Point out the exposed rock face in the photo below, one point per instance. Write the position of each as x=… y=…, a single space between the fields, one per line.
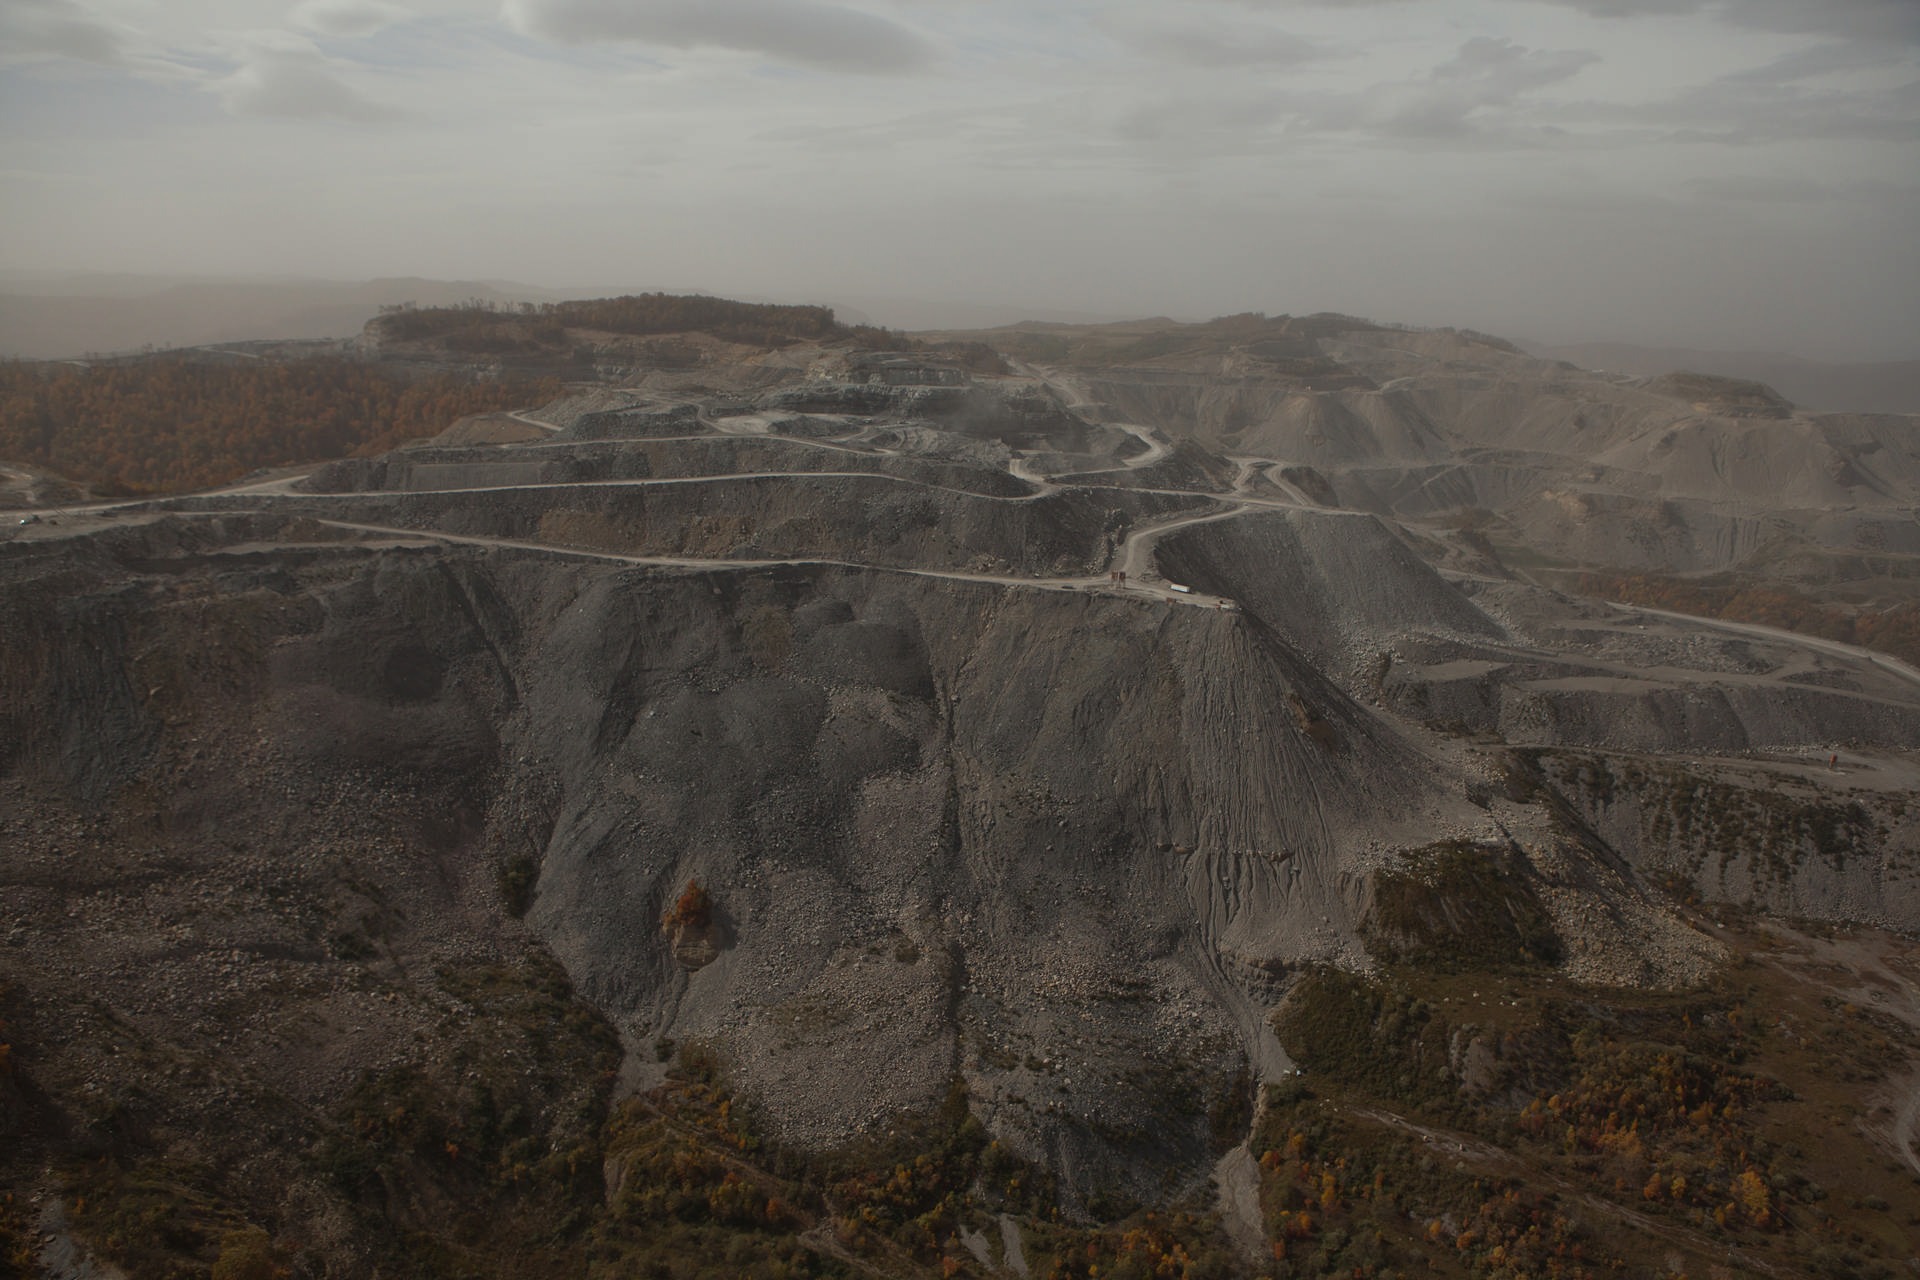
x=1063 y=810
x=1035 y=839
x=940 y=819
x=1777 y=840
x=694 y=946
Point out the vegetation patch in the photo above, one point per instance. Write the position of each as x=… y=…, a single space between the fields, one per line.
x=1700 y=822
x=1353 y=1195
x=693 y=909
x=1342 y=1026
x=1457 y=905
x=476 y=325
x=1517 y=1124
x=166 y=424
x=152 y=1217
x=19 y=1240
x=493 y=1142
x=695 y=1192
x=500 y=1153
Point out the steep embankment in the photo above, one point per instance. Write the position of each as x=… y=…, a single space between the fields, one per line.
x=1100 y=827
x=1086 y=814
x=1338 y=586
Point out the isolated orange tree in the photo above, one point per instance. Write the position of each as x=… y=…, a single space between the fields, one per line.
x=693 y=908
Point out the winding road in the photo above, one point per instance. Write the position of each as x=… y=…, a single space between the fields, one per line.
x=1134 y=554
x=1089 y=583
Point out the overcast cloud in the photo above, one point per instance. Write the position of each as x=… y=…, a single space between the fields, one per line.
x=829 y=36
x=286 y=76
x=57 y=28
x=346 y=17
x=1707 y=172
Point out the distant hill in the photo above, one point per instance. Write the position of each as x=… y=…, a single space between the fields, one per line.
x=914 y=314
x=480 y=328
x=1890 y=387
x=119 y=313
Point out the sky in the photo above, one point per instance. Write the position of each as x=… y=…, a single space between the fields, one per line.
x=1713 y=173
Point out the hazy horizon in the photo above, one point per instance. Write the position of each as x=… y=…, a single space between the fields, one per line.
x=1719 y=174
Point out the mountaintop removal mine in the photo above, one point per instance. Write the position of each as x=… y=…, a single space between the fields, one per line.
x=1268 y=797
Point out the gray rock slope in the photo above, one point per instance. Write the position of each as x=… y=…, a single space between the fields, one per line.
x=1676 y=473
x=1065 y=847
x=1030 y=839
x=1098 y=825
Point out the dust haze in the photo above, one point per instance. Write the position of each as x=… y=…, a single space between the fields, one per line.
x=1688 y=173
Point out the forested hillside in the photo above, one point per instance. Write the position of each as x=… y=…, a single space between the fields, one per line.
x=481 y=326
x=165 y=425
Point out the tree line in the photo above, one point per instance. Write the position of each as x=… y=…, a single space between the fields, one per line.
x=748 y=323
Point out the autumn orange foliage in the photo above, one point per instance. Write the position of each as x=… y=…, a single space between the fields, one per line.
x=164 y=425
x=694 y=908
